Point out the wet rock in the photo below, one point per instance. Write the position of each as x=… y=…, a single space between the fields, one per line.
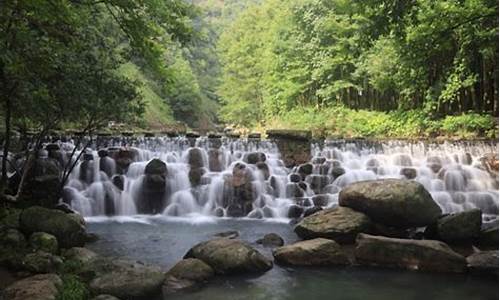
x=489 y=162
x=271 y=240
x=256 y=214
x=228 y=256
x=321 y=200
x=460 y=227
x=195 y=158
x=293 y=190
x=434 y=163
x=195 y=176
x=231 y=234
x=38 y=287
x=87 y=171
x=42 y=262
x=318 y=160
x=264 y=169
x=294 y=145
x=215 y=160
x=403 y=160
x=295 y=211
x=12 y=248
x=186 y=275
x=64 y=208
x=118 y=181
x=219 y=212
x=305 y=169
x=125 y=279
x=156 y=167
x=12 y=238
x=337 y=172
x=235 y=211
x=44 y=242
x=409 y=173
x=422 y=255
x=483 y=263
x=241 y=175
x=316 y=252
x=103 y=153
x=312 y=210
x=317 y=182
x=88 y=156
x=341 y=224
x=124 y=157
x=254 y=157
x=392 y=202
x=295 y=177
x=67 y=228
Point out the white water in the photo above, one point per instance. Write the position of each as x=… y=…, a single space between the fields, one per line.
x=457 y=182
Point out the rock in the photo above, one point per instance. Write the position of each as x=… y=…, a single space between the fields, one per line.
x=102 y=153
x=409 y=173
x=38 y=287
x=215 y=157
x=341 y=224
x=312 y=210
x=228 y=256
x=422 y=255
x=125 y=279
x=124 y=157
x=271 y=240
x=241 y=175
x=295 y=211
x=156 y=167
x=12 y=238
x=295 y=177
x=64 y=207
x=264 y=169
x=231 y=234
x=118 y=181
x=67 y=228
x=318 y=160
x=403 y=160
x=321 y=200
x=392 y=202
x=254 y=157
x=489 y=237
x=195 y=176
x=105 y=297
x=42 y=262
x=483 y=263
x=316 y=252
x=79 y=255
x=188 y=274
x=43 y=182
x=44 y=242
x=52 y=147
x=195 y=158
x=336 y=172
x=305 y=169
x=12 y=248
x=317 y=182
x=460 y=227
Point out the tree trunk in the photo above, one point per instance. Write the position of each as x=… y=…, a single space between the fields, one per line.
x=6 y=146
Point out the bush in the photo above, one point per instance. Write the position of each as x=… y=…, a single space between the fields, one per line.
x=73 y=289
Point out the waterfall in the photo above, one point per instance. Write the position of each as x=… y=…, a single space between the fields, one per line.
x=247 y=178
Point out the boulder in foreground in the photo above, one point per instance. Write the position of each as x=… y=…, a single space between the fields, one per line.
x=316 y=252
x=392 y=202
x=186 y=275
x=69 y=229
x=422 y=255
x=483 y=263
x=227 y=256
x=39 y=287
x=460 y=227
x=341 y=224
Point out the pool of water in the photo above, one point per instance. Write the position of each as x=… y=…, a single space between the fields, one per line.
x=164 y=241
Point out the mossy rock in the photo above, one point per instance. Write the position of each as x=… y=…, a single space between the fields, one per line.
x=69 y=229
x=42 y=262
x=44 y=242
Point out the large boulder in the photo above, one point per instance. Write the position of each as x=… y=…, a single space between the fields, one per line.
x=12 y=248
x=489 y=238
x=341 y=224
x=195 y=158
x=227 y=256
x=67 y=228
x=392 y=202
x=423 y=255
x=316 y=252
x=483 y=263
x=156 y=167
x=43 y=182
x=186 y=275
x=124 y=279
x=38 y=287
x=153 y=200
x=460 y=227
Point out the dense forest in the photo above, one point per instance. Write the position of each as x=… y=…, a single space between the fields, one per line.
x=345 y=68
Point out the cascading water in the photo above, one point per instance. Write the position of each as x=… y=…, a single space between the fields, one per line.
x=240 y=178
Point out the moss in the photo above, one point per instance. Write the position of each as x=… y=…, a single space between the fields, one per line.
x=73 y=289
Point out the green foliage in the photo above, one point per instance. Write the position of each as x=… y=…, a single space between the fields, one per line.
x=73 y=289
x=470 y=124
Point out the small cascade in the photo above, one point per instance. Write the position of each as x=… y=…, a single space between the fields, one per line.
x=246 y=178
